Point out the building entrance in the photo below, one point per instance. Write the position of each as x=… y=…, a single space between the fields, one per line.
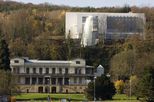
x=53 y=90
x=40 y=89
x=47 y=89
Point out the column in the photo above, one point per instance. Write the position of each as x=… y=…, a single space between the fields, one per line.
x=36 y=81
x=43 y=81
x=63 y=80
x=56 y=81
x=30 y=80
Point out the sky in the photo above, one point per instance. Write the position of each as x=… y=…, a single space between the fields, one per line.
x=94 y=3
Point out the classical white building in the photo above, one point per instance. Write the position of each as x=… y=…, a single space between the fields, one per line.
x=90 y=27
x=51 y=76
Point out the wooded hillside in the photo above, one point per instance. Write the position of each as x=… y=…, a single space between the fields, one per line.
x=37 y=31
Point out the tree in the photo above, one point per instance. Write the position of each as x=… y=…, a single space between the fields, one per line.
x=4 y=55
x=104 y=88
x=145 y=88
x=122 y=64
x=119 y=85
x=134 y=84
x=7 y=83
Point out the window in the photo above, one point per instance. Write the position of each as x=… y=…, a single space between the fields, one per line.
x=84 y=19
x=34 y=70
x=79 y=71
x=76 y=71
x=53 y=70
x=95 y=23
x=47 y=80
x=47 y=71
x=80 y=80
x=16 y=61
x=40 y=70
x=75 y=80
x=66 y=81
x=27 y=70
x=18 y=70
x=66 y=70
x=14 y=70
x=60 y=81
x=33 y=80
x=77 y=62
x=53 y=80
x=27 y=81
x=60 y=70
x=40 y=81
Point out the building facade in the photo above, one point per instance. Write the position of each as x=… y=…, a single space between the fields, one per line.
x=92 y=26
x=46 y=76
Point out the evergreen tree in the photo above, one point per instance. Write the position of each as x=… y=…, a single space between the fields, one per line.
x=145 y=88
x=104 y=89
x=4 y=55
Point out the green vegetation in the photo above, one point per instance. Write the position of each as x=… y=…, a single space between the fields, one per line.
x=32 y=96
x=104 y=89
x=43 y=25
x=145 y=87
x=4 y=55
x=7 y=80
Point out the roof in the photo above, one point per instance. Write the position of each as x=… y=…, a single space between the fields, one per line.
x=108 y=13
x=47 y=61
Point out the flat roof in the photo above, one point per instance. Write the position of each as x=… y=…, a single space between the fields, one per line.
x=108 y=13
x=47 y=61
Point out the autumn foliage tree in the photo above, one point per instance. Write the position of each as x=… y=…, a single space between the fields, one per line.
x=119 y=85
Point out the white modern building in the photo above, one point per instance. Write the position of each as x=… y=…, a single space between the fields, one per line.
x=48 y=76
x=90 y=27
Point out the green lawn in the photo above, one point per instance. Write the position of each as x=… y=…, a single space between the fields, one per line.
x=122 y=98
x=33 y=96
x=75 y=97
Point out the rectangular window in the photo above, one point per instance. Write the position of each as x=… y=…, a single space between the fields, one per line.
x=33 y=80
x=80 y=80
x=16 y=61
x=60 y=81
x=95 y=23
x=60 y=70
x=79 y=71
x=76 y=71
x=34 y=70
x=47 y=71
x=53 y=70
x=47 y=80
x=27 y=70
x=18 y=70
x=40 y=70
x=27 y=81
x=84 y=19
x=75 y=80
x=66 y=81
x=14 y=70
x=66 y=70
x=77 y=62
x=53 y=80
x=40 y=81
